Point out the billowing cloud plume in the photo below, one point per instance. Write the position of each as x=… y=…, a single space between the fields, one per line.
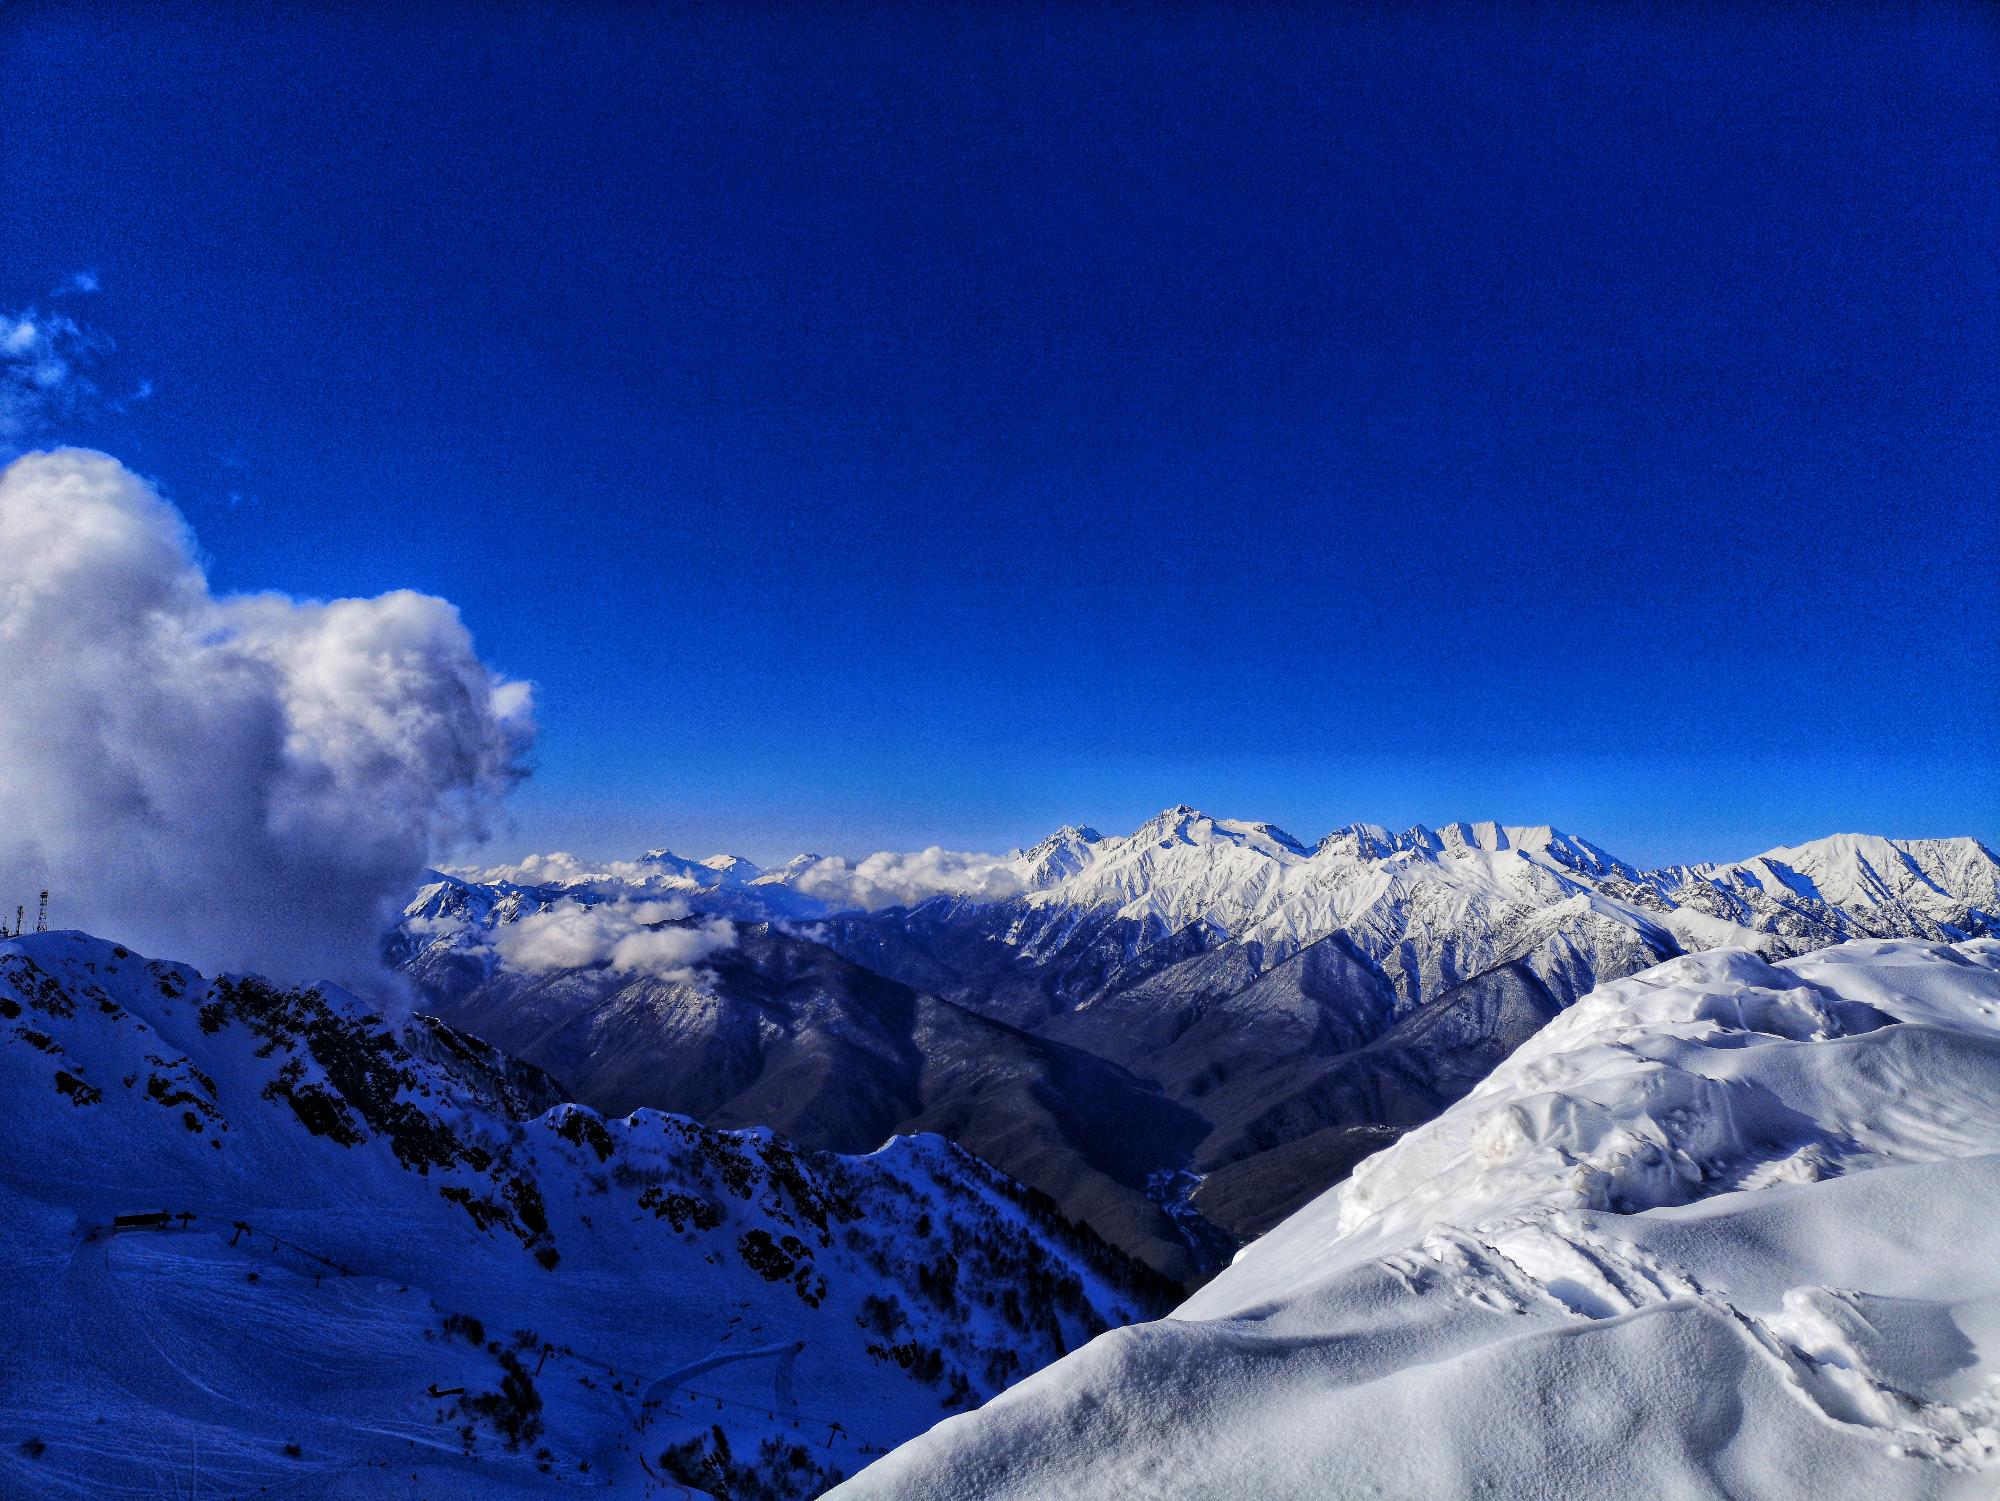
x=889 y=879
x=637 y=937
x=252 y=782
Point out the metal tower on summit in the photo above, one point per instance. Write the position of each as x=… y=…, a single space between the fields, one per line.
x=21 y=918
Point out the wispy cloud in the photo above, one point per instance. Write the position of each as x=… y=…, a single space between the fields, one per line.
x=141 y=392
x=43 y=359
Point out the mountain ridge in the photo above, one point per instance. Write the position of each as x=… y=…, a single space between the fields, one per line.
x=257 y=1238
x=1301 y=1004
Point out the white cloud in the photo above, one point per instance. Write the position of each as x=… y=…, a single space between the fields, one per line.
x=889 y=879
x=637 y=937
x=250 y=782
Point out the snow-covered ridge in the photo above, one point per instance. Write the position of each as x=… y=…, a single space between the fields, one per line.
x=382 y=1256
x=1258 y=885
x=1723 y=1228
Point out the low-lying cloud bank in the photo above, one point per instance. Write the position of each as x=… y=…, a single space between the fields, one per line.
x=621 y=935
x=250 y=782
x=559 y=865
x=889 y=879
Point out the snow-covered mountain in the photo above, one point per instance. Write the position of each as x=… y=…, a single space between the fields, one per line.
x=1302 y=1004
x=1724 y=1228
x=1433 y=908
x=258 y=1242
x=774 y=1029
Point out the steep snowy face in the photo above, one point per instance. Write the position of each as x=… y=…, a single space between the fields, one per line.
x=1178 y=868
x=1864 y=885
x=1430 y=908
x=1722 y=1228
x=254 y=1240
x=1058 y=857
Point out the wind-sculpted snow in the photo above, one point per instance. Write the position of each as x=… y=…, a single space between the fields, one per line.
x=359 y=1264
x=1723 y=1228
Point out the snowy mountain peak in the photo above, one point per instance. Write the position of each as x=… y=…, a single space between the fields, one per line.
x=1058 y=857
x=790 y=871
x=1066 y=837
x=1358 y=841
x=707 y=874
x=1492 y=837
x=1954 y=883
x=1181 y=824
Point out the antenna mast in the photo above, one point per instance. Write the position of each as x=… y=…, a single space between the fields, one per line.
x=42 y=916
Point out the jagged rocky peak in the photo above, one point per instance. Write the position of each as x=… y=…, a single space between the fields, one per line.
x=1486 y=836
x=1492 y=837
x=1358 y=841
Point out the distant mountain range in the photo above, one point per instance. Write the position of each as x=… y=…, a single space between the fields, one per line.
x=1180 y=1035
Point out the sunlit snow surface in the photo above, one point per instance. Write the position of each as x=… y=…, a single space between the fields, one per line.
x=1724 y=1228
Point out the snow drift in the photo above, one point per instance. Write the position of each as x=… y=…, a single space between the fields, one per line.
x=1724 y=1228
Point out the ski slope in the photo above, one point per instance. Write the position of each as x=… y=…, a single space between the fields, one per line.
x=396 y=1265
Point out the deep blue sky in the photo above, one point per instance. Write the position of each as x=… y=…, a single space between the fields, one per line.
x=884 y=425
